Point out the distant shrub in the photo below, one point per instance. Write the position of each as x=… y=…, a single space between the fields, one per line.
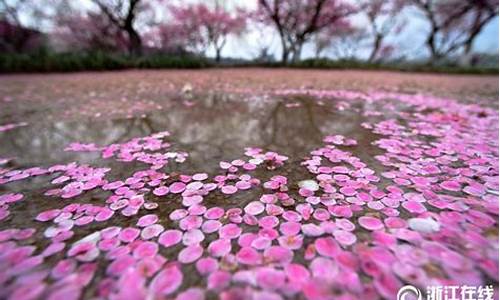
x=46 y=61
x=93 y=61
x=159 y=61
x=392 y=66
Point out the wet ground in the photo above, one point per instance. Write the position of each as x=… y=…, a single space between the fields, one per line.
x=343 y=193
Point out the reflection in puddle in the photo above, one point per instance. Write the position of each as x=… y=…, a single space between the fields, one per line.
x=213 y=129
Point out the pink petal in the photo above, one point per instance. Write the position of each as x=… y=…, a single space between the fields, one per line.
x=161 y=191
x=152 y=231
x=214 y=213
x=129 y=234
x=220 y=247
x=370 y=223
x=327 y=247
x=147 y=220
x=229 y=189
x=254 y=208
x=170 y=237
x=146 y=249
x=278 y=254
x=218 y=280
x=290 y=228
x=229 y=231
x=207 y=265
x=249 y=256
x=177 y=187
x=167 y=281
x=414 y=207
x=191 y=237
x=345 y=238
x=190 y=254
x=270 y=278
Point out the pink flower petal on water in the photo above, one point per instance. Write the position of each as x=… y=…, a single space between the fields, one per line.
x=207 y=265
x=194 y=236
x=297 y=273
x=177 y=187
x=146 y=249
x=161 y=191
x=191 y=222
x=292 y=242
x=345 y=238
x=348 y=191
x=229 y=189
x=270 y=278
x=370 y=223
x=261 y=243
x=214 y=213
x=220 y=247
x=191 y=294
x=170 y=238
x=327 y=247
x=147 y=220
x=254 y=208
x=190 y=254
x=324 y=269
x=249 y=256
x=278 y=254
x=200 y=176
x=311 y=229
x=229 y=231
x=63 y=268
x=167 y=281
x=218 y=280
x=414 y=207
x=48 y=215
x=129 y=234
x=104 y=215
x=178 y=214
x=290 y=228
x=211 y=226
x=53 y=249
x=450 y=185
x=152 y=231
x=269 y=222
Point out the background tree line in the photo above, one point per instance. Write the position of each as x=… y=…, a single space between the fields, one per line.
x=145 y=28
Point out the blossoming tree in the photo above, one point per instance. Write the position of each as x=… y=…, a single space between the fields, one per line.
x=298 y=21
x=204 y=27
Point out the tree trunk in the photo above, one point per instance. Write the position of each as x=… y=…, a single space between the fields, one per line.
x=466 y=58
x=434 y=57
x=376 y=48
x=217 y=54
x=135 y=43
x=478 y=25
x=297 y=50
x=286 y=51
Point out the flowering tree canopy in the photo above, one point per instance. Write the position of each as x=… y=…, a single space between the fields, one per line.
x=123 y=15
x=384 y=18
x=455 y=24
x=298 y=21
x=340 y=38
x=89 y=32
x=16 y=35
x=204 y=27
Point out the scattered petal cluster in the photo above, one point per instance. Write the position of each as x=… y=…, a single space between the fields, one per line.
x=422 y=211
